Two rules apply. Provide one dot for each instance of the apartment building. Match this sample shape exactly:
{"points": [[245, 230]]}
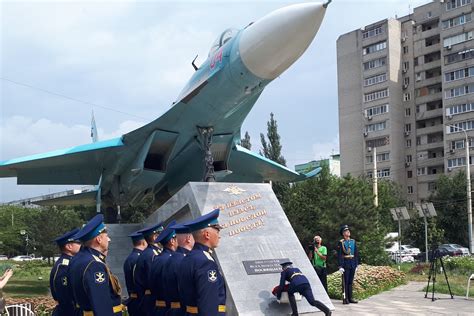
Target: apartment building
{"points": [[405, 89]]}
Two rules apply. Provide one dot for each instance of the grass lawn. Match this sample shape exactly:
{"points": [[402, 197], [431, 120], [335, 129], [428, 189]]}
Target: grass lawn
{"points": [[29, 279], [457, 278]]}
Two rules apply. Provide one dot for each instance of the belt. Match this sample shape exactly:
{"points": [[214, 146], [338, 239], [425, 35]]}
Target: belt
{"points": [[160, 303], [194, 309], [175, 305], [147, 292], [295, 274], [348, 256], [133, 295], [115, 309]]}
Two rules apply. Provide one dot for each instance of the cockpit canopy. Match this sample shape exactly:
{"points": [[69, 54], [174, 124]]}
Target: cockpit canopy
{"points": [[222, 39]]}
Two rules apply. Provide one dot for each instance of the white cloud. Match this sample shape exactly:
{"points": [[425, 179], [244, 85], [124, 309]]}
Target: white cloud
{"points": [[322, 150]]}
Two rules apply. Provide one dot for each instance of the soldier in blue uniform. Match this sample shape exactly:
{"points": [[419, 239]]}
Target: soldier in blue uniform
{"points": [[59, 280], [141, 274], [172, 269], [348, 259], [201, 284], [167, 239], [96, 290], [298, 283], [139, 244]]}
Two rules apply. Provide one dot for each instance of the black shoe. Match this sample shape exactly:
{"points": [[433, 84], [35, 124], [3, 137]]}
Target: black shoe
{"points": [[345, 302], [353, 301], [329, 313]]}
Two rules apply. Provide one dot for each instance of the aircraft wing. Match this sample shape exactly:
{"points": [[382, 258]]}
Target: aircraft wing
{"points": [[247, 166], [76, 165]]}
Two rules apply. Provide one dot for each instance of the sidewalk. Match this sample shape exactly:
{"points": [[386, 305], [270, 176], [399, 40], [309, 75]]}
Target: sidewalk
{"points": [[407, 300]]}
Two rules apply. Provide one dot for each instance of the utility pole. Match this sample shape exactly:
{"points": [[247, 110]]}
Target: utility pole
{"points": [[374, 176]]}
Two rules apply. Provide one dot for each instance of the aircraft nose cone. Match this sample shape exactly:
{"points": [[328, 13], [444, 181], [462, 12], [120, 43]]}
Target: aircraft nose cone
{"points": [[270, 45]]}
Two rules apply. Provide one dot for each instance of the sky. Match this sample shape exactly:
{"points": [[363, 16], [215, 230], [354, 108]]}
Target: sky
{"points": [[127, 61]]}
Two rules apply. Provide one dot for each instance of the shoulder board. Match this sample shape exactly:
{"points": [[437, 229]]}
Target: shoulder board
{"points": [[97, 259], [208, 255], [156, 253], [65, 262]]}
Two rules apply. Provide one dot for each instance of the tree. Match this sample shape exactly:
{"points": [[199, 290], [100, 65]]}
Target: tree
{"points": [[245, 142], [272, 151], [450, 203]]}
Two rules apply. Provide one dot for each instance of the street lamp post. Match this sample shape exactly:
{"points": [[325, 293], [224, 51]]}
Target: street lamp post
{"points": [[468, 185]]}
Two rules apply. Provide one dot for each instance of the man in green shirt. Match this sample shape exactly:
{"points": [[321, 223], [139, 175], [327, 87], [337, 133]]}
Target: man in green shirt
{"points": [[318, 256]]}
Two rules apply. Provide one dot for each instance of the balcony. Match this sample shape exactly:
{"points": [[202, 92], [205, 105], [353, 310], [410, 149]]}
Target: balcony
{"points": [[430, 162], [429, 114], [426, 146], [429, 98], [429, 177], [429, 129]]}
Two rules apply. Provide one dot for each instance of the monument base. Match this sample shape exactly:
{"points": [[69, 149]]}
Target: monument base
{"points": [[256, 237]]}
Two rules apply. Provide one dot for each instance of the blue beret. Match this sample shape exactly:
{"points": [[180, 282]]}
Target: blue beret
{"points": [[207, 220], [136, 236], [181, 229], [343, 228], [67, 237], [92, 229], [151, 229], [166, 234]]}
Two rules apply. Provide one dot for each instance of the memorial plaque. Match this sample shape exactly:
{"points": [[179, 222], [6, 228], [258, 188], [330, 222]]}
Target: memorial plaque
{"points": [[256, 229], [264, 266]]}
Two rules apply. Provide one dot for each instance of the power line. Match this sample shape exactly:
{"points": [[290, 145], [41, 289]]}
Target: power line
{"points": [[70, 98]]}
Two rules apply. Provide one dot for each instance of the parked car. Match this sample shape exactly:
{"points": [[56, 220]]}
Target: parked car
{"points": [[450, 250], [22, 258], [464, 250], [3, 257], [410, 249]]}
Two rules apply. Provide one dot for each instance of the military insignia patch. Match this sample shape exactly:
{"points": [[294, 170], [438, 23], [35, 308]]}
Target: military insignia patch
{"points": [[64, 281], [212, 276], [99, 277]]}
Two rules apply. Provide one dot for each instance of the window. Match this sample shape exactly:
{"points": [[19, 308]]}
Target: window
{"points": [[407, 112], [418, 140], [459, 127], [377, 142], [372, 32], [410, 189], [421, 171], [407, 96], [406, 65], [459, 91], [408, 143], [453, 4], [418, 76], [456, 39], [457, 162], [459, 74], [374, 48], [407, 127], [459, 20], [371, 64], [460, 108], [408, 158], [410, 205], [406, 81], [459, 144], [376, 127], [380, 157], [405, 49], [376, 95], [384, 173], [432, 186], [459, 56], [376, 110], [409, 174], [375, 79]]}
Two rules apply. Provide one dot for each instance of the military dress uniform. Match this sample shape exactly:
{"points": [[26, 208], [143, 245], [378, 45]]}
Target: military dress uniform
{"points": [[141, 274], [157, 288], [96, 290], [201, 284], [128, 269], [59, 280], [348, 259], [298, 283]]}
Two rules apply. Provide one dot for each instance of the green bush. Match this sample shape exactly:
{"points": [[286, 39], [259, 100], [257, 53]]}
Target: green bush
{"points": [[369, 280], [461, 265]]}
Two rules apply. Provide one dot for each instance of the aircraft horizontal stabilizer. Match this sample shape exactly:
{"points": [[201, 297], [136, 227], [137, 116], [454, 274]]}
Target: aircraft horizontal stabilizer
{"points": [[247, 166]]}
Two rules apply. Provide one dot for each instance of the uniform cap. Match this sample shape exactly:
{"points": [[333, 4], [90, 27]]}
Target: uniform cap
{"points": [[166, 234], [93, 228], [343, 228], [67, 237], [204, 221], [286, 263], [153, 229], [181, 229], [136, 236]]}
